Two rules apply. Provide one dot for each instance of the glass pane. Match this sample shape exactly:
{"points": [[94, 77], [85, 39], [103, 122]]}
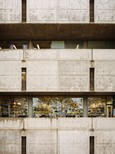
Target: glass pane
{"points": [[57, 107], [97, 107], [13, 107]]}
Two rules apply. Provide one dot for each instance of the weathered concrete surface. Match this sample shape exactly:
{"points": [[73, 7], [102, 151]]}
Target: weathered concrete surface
{"points": [[10, 11], [104, 70], [10, 70], [57, 136], [105, 11], [58, 11], [58, 70]]}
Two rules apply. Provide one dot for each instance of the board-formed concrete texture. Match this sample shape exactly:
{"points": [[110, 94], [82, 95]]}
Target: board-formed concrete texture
{"points": [[10, 11], [58, 11], [57, 136], [105, 11]]}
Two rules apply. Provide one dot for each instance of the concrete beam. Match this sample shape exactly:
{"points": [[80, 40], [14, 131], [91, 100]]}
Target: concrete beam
{"points": [[28, 31]]}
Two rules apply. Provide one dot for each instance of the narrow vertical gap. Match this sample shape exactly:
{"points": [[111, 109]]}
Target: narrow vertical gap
{"points": [[23, 145], [91, 145], [23, 78], [92, 75], [23, 10], [91, 10]]}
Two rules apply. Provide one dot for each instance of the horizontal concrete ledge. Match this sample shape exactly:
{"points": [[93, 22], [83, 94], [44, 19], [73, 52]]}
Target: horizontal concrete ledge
{"points": [[28, 31], [77, 94], [83, 124]]}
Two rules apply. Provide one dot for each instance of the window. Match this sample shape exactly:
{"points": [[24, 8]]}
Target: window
{"points": [[74, 44], [97, 106], [23, 71], [91, 10], [91, 79], [23, 142], [57, 107], [23, 10], [91, 142], [13, 106]]}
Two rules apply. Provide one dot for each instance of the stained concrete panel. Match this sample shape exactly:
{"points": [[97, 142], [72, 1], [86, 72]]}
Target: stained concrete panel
{"points": [[104, 11], [10, 76], [42, 83], [10, 11], [44, 141], [104, 83], [73, 68], [104, 54], [74, 123], [75, 54], [6, 54], [10, 142], [43, 149], [42, 68], [70, 148], [10, 68], [100, 16], [58, 11], [103, 68], [11, 123], [39, 4], [73, 83], [71, 16], [73, 4], [62, 135], [47, 54], [41, 123], [42, 16], [104, 124], [58, 54], [105, 4]]}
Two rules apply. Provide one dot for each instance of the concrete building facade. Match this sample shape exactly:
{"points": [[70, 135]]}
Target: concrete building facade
{"points": [[57, 78]]}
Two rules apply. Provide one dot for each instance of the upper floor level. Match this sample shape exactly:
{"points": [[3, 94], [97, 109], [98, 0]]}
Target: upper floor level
{"points": [[57, 70], [57, 11]]}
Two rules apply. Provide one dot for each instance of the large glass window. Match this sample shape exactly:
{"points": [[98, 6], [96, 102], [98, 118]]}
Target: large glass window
{"points": [[97, 107], [13, 107], [57, 107]]}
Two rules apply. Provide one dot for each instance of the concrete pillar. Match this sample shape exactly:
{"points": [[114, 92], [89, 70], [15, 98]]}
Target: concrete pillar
{"points": [[30, 107], [31, 45], [85, 44], [85, 107]]}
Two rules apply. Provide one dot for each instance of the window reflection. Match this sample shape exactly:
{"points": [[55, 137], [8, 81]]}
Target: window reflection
{"points": [[13, 107], [57, 107], [97, 107]]}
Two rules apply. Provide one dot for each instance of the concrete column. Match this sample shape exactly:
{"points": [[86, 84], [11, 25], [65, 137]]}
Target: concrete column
{"points": [[85, 106], [85, 44], [30, 106], [31, 45]]}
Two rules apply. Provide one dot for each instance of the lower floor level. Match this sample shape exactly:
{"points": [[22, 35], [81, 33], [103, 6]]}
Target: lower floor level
{"points": [[57, 135], [57, 106]]}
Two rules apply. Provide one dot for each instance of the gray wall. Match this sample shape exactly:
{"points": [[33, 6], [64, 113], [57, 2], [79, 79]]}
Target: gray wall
{"points": [[57, 136], [57, 69]]}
